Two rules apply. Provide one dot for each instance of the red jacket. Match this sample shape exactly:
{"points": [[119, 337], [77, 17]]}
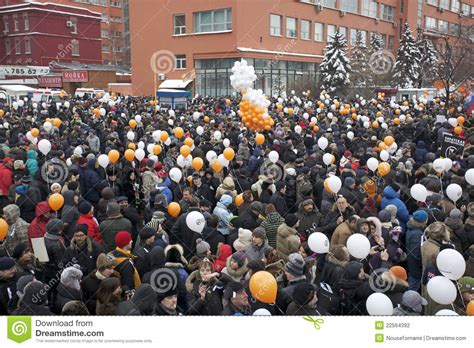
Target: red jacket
{"points": [[37, 228], [6, 180], [92, 226]]}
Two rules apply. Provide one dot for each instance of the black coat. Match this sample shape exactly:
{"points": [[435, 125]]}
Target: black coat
{"points": [[142, 262], [248, 220], [85, 256], [330, 221], [182, 234], [213, 237], [7, 288], [55, 251], [90, 286], [65, 295], [278, 200], [126, 269]]}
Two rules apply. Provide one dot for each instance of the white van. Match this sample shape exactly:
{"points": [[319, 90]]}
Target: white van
{"points": [[88, 93], [11, 93], [49, 96]]}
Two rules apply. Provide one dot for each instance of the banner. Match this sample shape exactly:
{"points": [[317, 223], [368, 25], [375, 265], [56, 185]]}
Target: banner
{"points": [[22, 70], [452, 146], [76, 76], [50, 81]]}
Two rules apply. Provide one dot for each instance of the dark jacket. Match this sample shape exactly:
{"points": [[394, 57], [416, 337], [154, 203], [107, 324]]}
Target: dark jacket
{"points": [[110, 227], [90, 286], [85, 256], [142, 262], [90, 183], [308, 219], [333, 271], [278, 200], [182, 234], [330, 220], [125, 269], [248, 220], [413, 245], [64, 295], [142, 302]]}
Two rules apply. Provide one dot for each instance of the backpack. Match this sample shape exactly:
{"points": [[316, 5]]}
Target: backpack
{"points": [[329, 300]]}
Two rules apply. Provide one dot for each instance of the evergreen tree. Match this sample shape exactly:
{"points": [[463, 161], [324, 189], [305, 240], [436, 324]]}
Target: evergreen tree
{"points": [[361, 74], [428, 57], [335, 68], [407, 65], [376, 43]]}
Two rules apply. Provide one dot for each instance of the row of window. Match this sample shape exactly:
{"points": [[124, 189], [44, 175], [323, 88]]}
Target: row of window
{"points": [[456, 6], [16, 23], [441, 26], [106, 18], [73, 46], [113, 33], [113, 3], [106, 48], [205, 22], [369, 8]]}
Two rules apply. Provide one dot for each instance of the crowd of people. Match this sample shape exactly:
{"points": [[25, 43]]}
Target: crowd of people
{"points": [[124, 242]]}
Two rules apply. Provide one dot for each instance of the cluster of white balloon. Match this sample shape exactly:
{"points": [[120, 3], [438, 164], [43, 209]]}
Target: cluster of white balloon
{"points": [[419, 193]]}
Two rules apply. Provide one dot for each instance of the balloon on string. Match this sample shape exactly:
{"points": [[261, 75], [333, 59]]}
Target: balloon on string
{"points": [[211, 156], [263, 287], [102, 112], [298, 129], [229, 153], [222, 160], [103, 160], [197, 163], [129, 155], [44, 146], [226, 142], [448, 164], [273, 156], [199, 130], [328, 159], [3, 229], [379, 304], [141, 145], [130, 135], [132, 123], [47, 126], [138, 118], [419, 192], [318, 242], [157, 149], [216, 166], [439, 165], [156, 135], [175, 174], [334, 184], [154, 158], [261, 312], [149, 148], [384, 155], [168, 141], [446, 312], [185, 150], [469, 176], [114, 156], [140, 154], [454, 192], [195, 221], [174, 209], [451, 264], [350, 135], [322, 143], [441, 290], [358, 246], [372, 164], [56, 201], [164, 136], [34, 132], [239, 199], [383, 169], [178, 132], [217, 135]]}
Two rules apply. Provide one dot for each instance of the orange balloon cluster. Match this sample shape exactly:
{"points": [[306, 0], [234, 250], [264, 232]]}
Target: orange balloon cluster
{"points": [[252, 117]]}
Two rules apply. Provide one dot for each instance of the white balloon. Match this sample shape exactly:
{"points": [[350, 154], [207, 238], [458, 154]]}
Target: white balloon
{"points": [[35, 106], [196, 116], [358, 246], [222, 160], [21, 103], [273, 156], [141, 145], [262, 312], [211, 156], [5, 124], [384, 155], [419, 192], [446, 312], [384, 125], [102, 112], [170, 122], [130, 135], [451, 264], [175, 174], [68, 162], [154, 158], [195, 221], [66, 104], [453, 122], [139, 154], [149, 148], [78, 151], [171, 113], [305, 115], [47, 126], [44, 146], [318, 242], [111, 103], [402, 118], [448, 164], [322, 143], [217, 135], [379, 304], [438, 165], [441, 290], [168, 141], [366, 124], [199, 130], [43, 105], [226, 142], [138, 118], [156, 135], [298, 129], [392, 148], [103, 160], [350, 135], [328, 159], [454, 192], [372, 164], [469, 176]]}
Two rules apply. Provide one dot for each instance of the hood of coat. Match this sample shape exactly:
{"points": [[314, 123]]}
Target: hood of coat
{"points": [[69, 197], [306, 202], [42, 208], [239, 272], [377, 223], [285, 231], [11, 213], [174, 255], [31, 154], [223, 252], [390, 193], [157, 257], [144, 298], [228, 184]]}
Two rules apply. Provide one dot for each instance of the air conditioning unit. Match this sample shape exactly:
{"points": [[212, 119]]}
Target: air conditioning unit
{"points": [[161, 77], [342, 13], [69, 24], [5, 32], [319, 8]]}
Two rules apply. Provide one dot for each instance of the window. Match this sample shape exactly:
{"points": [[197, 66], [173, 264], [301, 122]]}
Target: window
{"points": [[74, 25], [179, 24], [430, 24], [105, 17], [180, 62], [305, 30], [114, 3], [27, 45], [8, 49], [353, 36], [104, 33], [466, 9], [16, 24], [6, 24], [318, 31], [329, 3], [443, 26], [455, 6], [105, 48], [364, 36], [388, 12], [26, 21], [383, 37], [349, 5], [369, 8], [391, 40], [290, 27], [275, 25], [432, 2], [331, 30], [453, 29], [210, 21], [402, 6], [343, 31], [75, 47], [116, 19], [444, 4], [17, 46]]}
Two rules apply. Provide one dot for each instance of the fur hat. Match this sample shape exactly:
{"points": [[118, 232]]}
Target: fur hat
{"points": [[71, 277], [104, 261], [437, 231], [244, 239], [174, 253]]}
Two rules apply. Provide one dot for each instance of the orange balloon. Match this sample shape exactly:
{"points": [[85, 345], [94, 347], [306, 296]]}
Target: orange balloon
{"points": [[216, 166], [279, 107], [57, 122], [227, 101], [263, 287], [290, 111], [375, 124], [229, 154], [2, 113], [382, 146], [396, 121], [156, 149], [189, 142], [405, 103], [185, 150], [379, 113], [114, 156], [326, 186], [164, 136], [56, 201], [35, 132], [132, 146], [316, 128], [239, 199], [129, 155], [132, 123], [197, 163], [457, 130], [388, 140], [178, 132], [174, 209], [96, 112], [206, 119], [383, 169], [3, 228], [259, 139], [461, 120], [469, 308], [397, 112]]}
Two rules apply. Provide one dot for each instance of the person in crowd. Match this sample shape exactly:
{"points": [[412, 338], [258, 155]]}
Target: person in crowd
{"points": [[17, 229]]}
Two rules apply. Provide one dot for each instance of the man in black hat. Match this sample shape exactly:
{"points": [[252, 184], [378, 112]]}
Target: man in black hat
{"points": [[238, 302], [305, 299], [143, 248], [249, 219], [8, 279], [278, 198], [200, 190]]}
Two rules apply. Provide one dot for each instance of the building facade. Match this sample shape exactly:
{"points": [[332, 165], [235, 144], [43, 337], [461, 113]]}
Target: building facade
{"points": [[199, 40], [43, 34]]}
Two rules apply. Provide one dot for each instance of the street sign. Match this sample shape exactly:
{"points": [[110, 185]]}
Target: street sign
{"points": [[22, 70], [75, 76]]}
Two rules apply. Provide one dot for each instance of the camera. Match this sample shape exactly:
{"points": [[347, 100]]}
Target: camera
{"points": [[380, 248], [205, 283]]}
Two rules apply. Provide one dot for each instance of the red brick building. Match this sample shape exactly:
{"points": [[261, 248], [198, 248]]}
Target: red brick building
{"points": [[42, 33]]}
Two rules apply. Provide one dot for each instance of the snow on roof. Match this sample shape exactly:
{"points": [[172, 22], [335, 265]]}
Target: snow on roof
{"points": [[16, 88], [174, 84]]}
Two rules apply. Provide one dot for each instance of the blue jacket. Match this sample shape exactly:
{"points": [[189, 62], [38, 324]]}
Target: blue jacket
{"points": [[92, 181], [413, 244], [32, 162], [164, 189], [223, 214], [420, 153], [391, 197]]}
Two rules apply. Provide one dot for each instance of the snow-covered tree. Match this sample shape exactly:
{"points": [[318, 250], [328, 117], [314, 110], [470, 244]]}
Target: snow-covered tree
{"points": [[335, 68], [428, 66], [361, 74], [408, 62], [376, 43]]}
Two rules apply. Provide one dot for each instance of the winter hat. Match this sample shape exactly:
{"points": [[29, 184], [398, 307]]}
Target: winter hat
{"points": [[393, 211], [434, 198], [225, 199], [244, 239], [437, 231], [349, 181], [280, 185], [20, 249], [104, 261], [80, 228], [122, 239], [413, 300], [455, 214], [291, 171], [121, 199], [303, 293], [113, 210], [352, 270], [75, 308], [291, 220], [174, 253], [258, 206], [256, 266], [55, 185], [202, 247], [239, 257], [399, 272], [470, 209], [35, 293], [55, 227], [385, 216], [84, 207], [347, 153], [18, 164], [22, 283], [160, 199], [259, 232], [420, 216], [147, 232], [295, 265], [71, 277]]}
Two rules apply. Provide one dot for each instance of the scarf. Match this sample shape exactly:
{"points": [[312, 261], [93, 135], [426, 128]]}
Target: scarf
{"points": [[52, 237], [99, 275]]}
